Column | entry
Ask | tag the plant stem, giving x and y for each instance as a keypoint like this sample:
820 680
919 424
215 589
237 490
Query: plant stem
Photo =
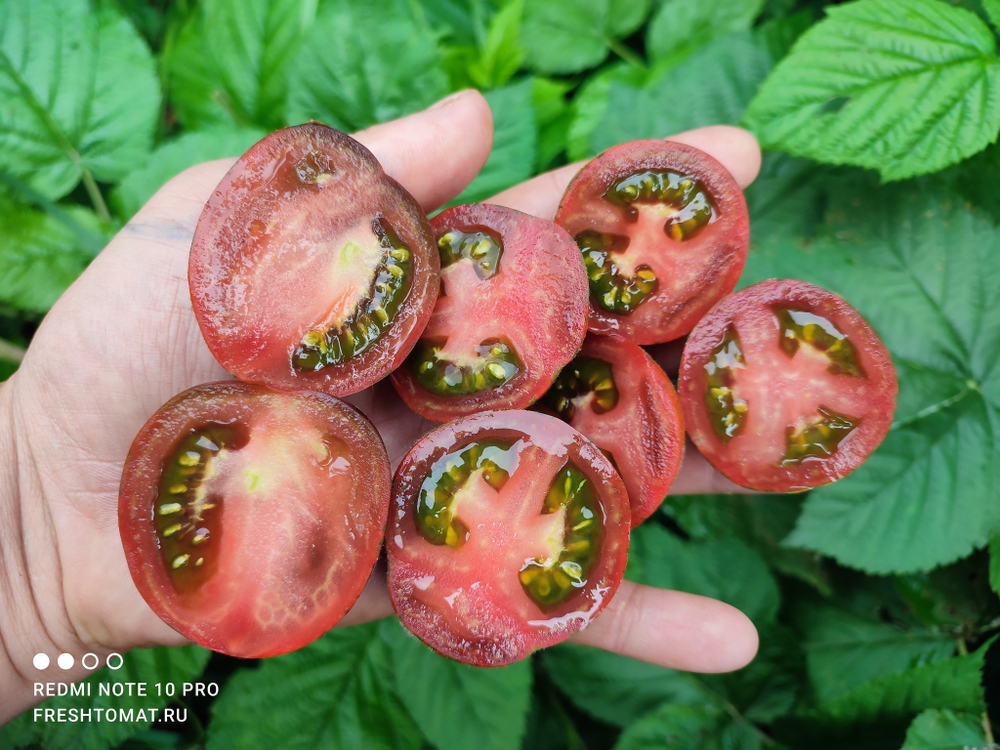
95 195
963 650
987 729
624 52
11 351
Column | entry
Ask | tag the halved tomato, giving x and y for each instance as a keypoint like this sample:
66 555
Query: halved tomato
252 518
310 267
512 312
664 233
616 395
784 387
509 531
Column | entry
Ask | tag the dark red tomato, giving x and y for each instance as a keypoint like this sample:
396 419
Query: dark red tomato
616 395
252 518
509 531
664 233
784 387
310 267
512 312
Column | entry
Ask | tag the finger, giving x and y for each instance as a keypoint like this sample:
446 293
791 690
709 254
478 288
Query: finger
734 148
673 629
697 477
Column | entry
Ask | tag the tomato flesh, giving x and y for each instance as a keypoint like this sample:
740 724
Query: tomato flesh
509 533
512 312
664 233
784 387
310 267
616 395
252 518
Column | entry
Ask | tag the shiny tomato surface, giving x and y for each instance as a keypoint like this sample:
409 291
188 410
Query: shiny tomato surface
784 387
508 532
512 312
252 518
616 395
310 267
664 233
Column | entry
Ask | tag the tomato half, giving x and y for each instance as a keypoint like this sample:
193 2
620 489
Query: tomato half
310 267
252 518
664 233
512 312
616 395
509 531
784 387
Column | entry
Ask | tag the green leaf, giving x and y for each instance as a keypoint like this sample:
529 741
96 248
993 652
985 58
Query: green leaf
590 104
396 71
676 726
906 87
678 27
335 693
567 36
761 521
553 116
951 683
945 730
658 558
711 87
42 253
614 688
512 159
80 95
458 706
921 262
148 666
845 650
174 157
992 9
230 63
994 548
502 55
619 690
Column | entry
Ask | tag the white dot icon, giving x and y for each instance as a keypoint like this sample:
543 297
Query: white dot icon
41 661
65 661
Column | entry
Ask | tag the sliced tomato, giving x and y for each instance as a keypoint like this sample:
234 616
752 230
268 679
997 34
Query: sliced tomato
512 312
784 387
252 518
616 395
664 233
310 267
509 532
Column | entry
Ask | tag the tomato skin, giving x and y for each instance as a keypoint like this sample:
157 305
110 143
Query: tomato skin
779 388
644 431
288 564
538 301
713 259
255 302
468 604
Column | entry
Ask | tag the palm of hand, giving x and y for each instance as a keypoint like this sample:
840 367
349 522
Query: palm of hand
124 339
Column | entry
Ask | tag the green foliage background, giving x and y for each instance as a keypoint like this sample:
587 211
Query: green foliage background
875 597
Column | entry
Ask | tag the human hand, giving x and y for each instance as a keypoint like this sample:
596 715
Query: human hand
123 340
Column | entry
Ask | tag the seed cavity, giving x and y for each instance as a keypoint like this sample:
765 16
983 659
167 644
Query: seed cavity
190 516
609 288
726 412
435 512
585 379
818 437
801 327
373 314
549 582
315 168
496 363
482 248
690 201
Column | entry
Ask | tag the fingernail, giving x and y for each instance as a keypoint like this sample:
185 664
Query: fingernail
449 99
